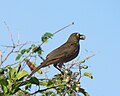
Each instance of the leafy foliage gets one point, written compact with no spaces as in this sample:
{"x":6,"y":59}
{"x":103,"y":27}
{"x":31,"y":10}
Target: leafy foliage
{"x":32,"y":49}
{"x":10,"y":81}
{"x":46,"y":36}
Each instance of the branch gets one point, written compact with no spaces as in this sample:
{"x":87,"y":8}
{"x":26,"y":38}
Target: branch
{"x":81,"y":62}
{"x":0,"y":57}
{"x":9,"y":32}
{"x":63,"y":28}
{"x":17,"y":45}
{"x":8,"y":55}
{"x":13,"y":47}
{"x":54,"y":87}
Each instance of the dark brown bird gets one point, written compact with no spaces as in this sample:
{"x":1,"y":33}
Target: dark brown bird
{"x":62,"y":54}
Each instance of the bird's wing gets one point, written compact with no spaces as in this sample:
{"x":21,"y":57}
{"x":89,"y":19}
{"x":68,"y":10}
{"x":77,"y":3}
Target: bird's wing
{"x":63,"y":51}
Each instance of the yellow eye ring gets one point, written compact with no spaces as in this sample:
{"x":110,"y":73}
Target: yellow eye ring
{"x":78,"y":35}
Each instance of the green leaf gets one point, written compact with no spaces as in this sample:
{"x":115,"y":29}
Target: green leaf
{"x":37,"y":49}
{"x":21,"y":93}
{"x":4,"y":84}
{"x":34,"y":80}
{"x":53,"y":94}
{"x":40,"y":51}
{"x":28,"y":50}
{"x":18,"y":57}
{"x":15,"y":90}
{"x":21,"y":74}
{"x":43,"y":83}
{"x":82,"y":61}
{"x":88,"y":75}
{"x":2,"y":71}
{"x":73,"y":94}
{"x":63,"y":83}
{"x":28,"y":86}
{"x":16,"y":86}
{"x":5,"y":89}
{"x":12,"y":73}
{"x":50,"y":84}
{"x":83,"y":92}
{"x":85,"y":66}
{"x":46,"y":36}
{"x":86,"y":94}
{"x":23,"y":51}
{"x":2,"y":94}
{"x":3,"y":81}
{"x":33,"y":45}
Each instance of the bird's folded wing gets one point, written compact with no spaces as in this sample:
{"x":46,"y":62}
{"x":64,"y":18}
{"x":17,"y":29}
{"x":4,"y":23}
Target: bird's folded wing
{"x":63,"y":51}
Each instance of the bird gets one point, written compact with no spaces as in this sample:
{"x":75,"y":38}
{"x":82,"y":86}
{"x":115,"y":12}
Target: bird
{"x":65,"y":53}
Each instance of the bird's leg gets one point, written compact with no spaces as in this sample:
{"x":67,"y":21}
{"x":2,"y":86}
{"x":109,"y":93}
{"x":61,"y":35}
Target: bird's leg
{"x":63,"y":66}
{"x":55,"y":65}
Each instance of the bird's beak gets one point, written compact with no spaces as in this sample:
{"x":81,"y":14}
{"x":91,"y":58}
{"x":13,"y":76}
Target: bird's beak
{"x":82,"y":37}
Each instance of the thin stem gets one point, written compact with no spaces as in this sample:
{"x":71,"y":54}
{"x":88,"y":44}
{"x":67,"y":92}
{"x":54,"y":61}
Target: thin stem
{"x":54,"y":87}
{"x":9,"y":32}
{"x":63,"y":28}
{"x":8,"y":55}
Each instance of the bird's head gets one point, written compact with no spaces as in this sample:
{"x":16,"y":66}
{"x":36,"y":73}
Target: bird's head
{"x":75,"y":37}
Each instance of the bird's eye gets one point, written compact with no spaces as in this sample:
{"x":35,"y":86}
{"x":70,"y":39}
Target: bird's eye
{"x":78,"y":35}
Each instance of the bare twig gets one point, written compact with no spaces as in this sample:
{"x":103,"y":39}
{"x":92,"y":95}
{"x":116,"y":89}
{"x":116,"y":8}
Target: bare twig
{"x":19,"y":67}
{"x":90,"y":57}
{"x":0,"y":57}
{"x":9,"y":32}
{"x":5,"y":50}
{"x":54,"y":87}
{"x":41,"y":57}
{"x":16,"y":45}
{"x":63,"y":28}
{"x":18,"y":38}
{"x":13,"y":47}
{"x":13,"y":64}
{"x":44,"y":79}
{"x":8,"y":55}
{"x":6,"y":46}
{"x":22,"y":45}
{"x":80,"y":73}
{"x":81,"y":62}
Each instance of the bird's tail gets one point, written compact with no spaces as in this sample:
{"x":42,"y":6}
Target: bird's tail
{"x":43,"y":64}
